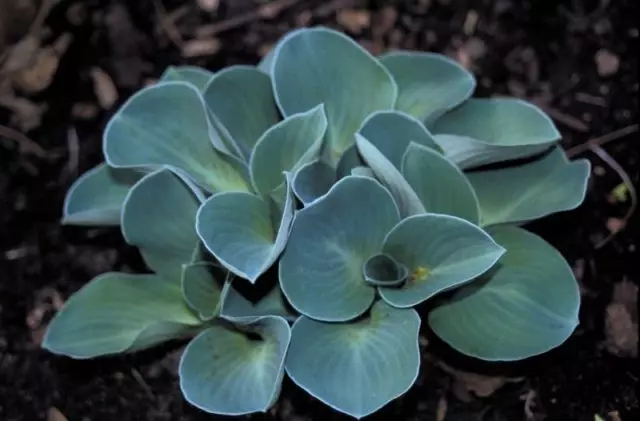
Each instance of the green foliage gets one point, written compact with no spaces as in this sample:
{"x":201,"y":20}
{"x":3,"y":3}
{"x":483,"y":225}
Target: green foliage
{"x":333,"y":190}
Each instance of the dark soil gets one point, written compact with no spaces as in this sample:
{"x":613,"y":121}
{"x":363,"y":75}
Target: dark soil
{"x":545,"y":51}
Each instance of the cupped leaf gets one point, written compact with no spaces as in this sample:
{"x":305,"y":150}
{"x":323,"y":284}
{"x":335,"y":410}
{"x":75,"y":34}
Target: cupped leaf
{"x":391,"y":132}
{"x":241,"y":99}
{"x":357,"y":367}
{"x":363,"y":172}
{"x":119,"y":312}
{"x":157,"y":217}
{"x":287,"y":146}
{"x":201,"y":290}
{"x":383,"y":270}
{"x":194,"y":75}
{"x":441,"y":252}
{"x":167,"y":124}
{"x":236,"y":308}
{"x":321,"y":269}
{"x":429,"y":84}
{"x":242,"y":232}
{"x":313,"y":180}
{"x":230,"y":372}
{"x":525,"y":307}
{"x":96,"y":197}
{"x":305,"y":74}
{"x":407,"y":200}
{"x":530,"y":191}
{"x":440,"y":185}
{"x":349,"y":160}
{"x":487,"y":130}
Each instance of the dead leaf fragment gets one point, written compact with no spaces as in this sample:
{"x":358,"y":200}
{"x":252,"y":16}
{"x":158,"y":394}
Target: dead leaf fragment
{"x":621,"y":321}
{"x":354,"y":20}
{"x":480,"y":385}
{"x":104,"y":88}
{"x":54,"y":414}
{"x":200,"y":47}
{"x":607,"y":62}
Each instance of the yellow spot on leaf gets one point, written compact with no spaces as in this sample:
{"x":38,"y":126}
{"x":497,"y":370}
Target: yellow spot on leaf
{"x":421,"y":273}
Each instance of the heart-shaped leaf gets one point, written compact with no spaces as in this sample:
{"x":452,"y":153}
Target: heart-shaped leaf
{"x":441,"y":252}
{"x":383,"y":270}
{"x":391,"y":132}
{"x":313,"y":180}
{"x":357,"y":367}
{"x":530,"y":191}
{"x":167,"y":124}
{"x":237,"y":308}
{"x":321,"y":268}
{"x":487,"y":130}
{"x":96,"y":197}
{"x":429,"y":84}
{"x":201,"y":290}
{"x":194,"y":75}
{"x":287,"y":146}
{"x":242,"y":231}
{"x":157,"y":218}
{"x":525,"y":307}
{"x":407,"y":200}
{"x":305,"y":74}
{"x":230,"y":372}
{"x":241,"y":99}
{"x":119,"y":312}
{"x":440,"y":185}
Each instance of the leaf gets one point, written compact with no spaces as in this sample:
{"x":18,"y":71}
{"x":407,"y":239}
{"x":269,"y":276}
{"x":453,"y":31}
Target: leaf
{"x":312,"y":181}
{"x":525,"y":307}
{"x":167,"y":124}
{"x":241,"y":99}
{"x":383,"y":270}
{"x":287,"y":146}
{"x":227,"y":372}
{"x":391,"y":132}
{"x":321,"y":268}
{"x":239,"y":230}
{"x":429,"y":84}
{"x":349,"y":160}
{"x":305,"y":74}
{"x":363,"y":172}
{"x":441,"y":252}
{"x":119,"y":312}
{"x":96,"y":197}
{"x":237,"y":308}
{"x":266,"y":63}
{"x":440,"y":185}
{"x":196,"y":76}
{"x":201,"y":290}
{"x":407,"y":200}
{"x":358,"y":367}
{"x":488,"y":130}
{"x":158,"y":217}
{"x":530,"y":191}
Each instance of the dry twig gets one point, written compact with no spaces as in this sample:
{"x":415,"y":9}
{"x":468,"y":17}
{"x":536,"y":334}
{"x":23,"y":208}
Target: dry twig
{"x":24,"y":142}
{"x":602,"y":140}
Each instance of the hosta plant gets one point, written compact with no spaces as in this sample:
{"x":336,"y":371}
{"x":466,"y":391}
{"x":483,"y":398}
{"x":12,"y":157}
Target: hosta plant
{"x":293,"y":214}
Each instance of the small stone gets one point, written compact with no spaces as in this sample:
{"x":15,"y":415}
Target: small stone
{"x":607,"y":62}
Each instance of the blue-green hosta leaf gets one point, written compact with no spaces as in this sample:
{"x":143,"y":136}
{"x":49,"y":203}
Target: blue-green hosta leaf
{"x":119,"y":312}
{"x":305,"y":74}
{"x":242,"y":232}
{"x":407,"y":200}
{"x":201,"y":290}
{"x":157,"y":217}
{"x":487,"y":130}
{"x":226,"y":372}
{"x":287,"y":146}
{"x":313,"y":180}
{"x":358,"y":367}
{"x":391,"y":132}
{"x":349,"y":160}
{"x":530,"y":191}
{"x":241,"y":99}
{"x":237,"y":308}
{"x":525,"y":307}
{"x":441,"y":252}
{"x":196,"y":76}
{"x":167,"y":124}
{"x":429,"y":84}
{"x":363,"y":172}
{"x":96,"y":197}
{"x":321,"y":268}
{"x":440,"y":185}
{"x":266,"y":63}
{"x":383,"y":270}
